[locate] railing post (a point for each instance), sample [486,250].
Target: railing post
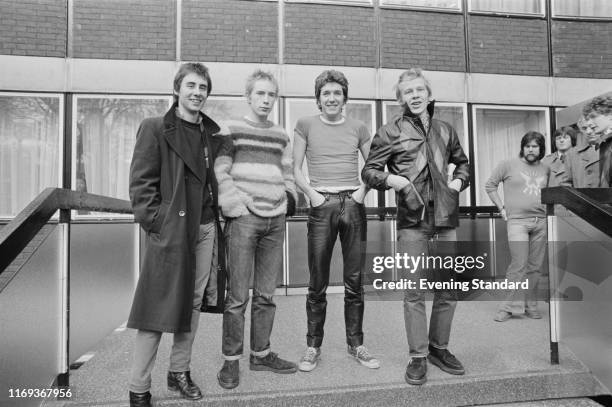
[63,378]
[552,285]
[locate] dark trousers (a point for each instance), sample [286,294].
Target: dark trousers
[339,214]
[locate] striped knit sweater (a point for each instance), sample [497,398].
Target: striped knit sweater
[254,169]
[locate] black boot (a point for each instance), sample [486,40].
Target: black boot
[181,381]
[140,399]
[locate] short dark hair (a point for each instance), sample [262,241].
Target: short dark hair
[600,105]
[567,130]
[191,67]
[331,76]
[538,138]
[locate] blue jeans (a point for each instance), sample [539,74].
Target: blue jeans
[339,214]
[527,243]
[254,244]
[422,241]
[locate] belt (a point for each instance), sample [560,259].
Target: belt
[341,194]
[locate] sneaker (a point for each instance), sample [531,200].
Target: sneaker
[502,316]
[310,359]
[416,371]
[533,314]
[361,354]
[272,363]
[229,375]
[445,361]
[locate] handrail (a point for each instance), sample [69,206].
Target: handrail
[392,211]
[16,235]
[591,204]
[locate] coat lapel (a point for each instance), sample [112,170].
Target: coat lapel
[176,140]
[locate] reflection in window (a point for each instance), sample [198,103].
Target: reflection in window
[358,110]
[445,4]
[30,134]
[106,130]
[225,108]
[508,6]
[332,1]
[453,115]
[582,8]
[498,137]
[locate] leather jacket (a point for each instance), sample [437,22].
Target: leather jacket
[406,149]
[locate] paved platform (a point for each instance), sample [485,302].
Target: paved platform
[505,363]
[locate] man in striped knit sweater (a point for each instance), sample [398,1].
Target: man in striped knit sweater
[256,190]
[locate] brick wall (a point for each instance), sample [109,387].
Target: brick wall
[230,31]
[318,34]
[513,46]
[432,41]
[119,29]
[582,49]
[33,27]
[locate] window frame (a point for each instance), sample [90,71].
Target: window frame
[99,216]
[61,130]
[354,3]
[475,163]
[571,17]
[387,4]
[542,14]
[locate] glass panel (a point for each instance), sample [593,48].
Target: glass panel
[30,320]
[358,110]
[447,4]
[332,1]
[103,259]
[508,6]
[580,269]
[105,133]
[225,108]
[582,8]
[450,114]
[498,137]
[30,134]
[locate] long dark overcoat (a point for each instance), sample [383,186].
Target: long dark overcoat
[166,191]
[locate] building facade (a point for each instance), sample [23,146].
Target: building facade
[78,76]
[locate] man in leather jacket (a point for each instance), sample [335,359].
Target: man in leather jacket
[417,150]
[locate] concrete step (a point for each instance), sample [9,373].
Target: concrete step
[505,363]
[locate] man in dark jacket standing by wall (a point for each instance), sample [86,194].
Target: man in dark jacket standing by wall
[598,113]
[174,196]
[417,150]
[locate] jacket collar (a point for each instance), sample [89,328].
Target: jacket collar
[170,120]
[178,144]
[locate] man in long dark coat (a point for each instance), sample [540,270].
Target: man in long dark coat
[174,196]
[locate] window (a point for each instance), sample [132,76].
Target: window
[429,4]
[582,8]
[452,113]
[31,129]
[498,133]
[221,108]
[104,132]
[536,7]
[346,2]
[357,109]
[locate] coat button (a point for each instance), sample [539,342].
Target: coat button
[181,213]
